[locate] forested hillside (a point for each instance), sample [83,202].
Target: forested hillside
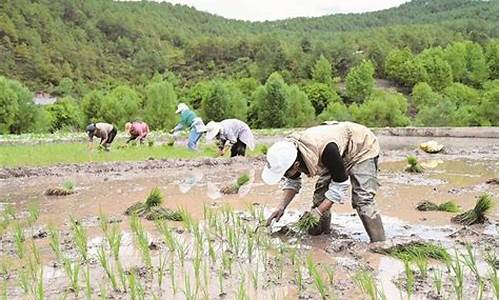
[116,61]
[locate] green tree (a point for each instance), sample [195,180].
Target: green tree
[159,105]
[491,55]
[92,106]
[65,114]
[360,82]
[238,103]
[270,103]
[26,112]
[437,115]
[322,71]
[402,67]
[488,108]
[455,54]
[300,109]
[335,111]
[217,103]
[119,106]
[477,69]
[423,95]
[320,95]
[383,108]
[9,106]
[439,73]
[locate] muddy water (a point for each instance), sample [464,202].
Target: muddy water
[460,180]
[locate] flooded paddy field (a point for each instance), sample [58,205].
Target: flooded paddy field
[83,246]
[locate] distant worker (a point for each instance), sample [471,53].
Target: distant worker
[137,130]
[231,133]
[105,131]
[341,154]
[191,121]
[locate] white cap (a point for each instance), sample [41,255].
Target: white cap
[280,157]
[181,107]
[213,128]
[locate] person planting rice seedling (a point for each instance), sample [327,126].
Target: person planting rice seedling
[105,131]
[342,154]
[191,121]
[137,130]
[231,133]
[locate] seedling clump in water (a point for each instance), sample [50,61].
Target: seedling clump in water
[305,223]
[151,209]
[413,165]
[415,250]
[477,214]
[235,187]
[448,206]
[68,188]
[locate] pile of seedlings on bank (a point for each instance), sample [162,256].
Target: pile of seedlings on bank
[151,209]
[448,206]
[414,250]
[477,214]
[68,188]
[413,165]
[235,187]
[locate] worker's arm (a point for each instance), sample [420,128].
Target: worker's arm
[339,186]
[290,188]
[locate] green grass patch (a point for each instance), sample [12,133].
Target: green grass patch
[413,165]
[416,250]
[64,153]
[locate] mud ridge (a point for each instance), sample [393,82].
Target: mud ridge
[126,166]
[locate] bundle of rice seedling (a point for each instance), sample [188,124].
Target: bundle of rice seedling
[235,187]
[151,209]
[415,249]
[413,165]
[477,214]
[305,223]
[151,143]
[58,192]
[448,206]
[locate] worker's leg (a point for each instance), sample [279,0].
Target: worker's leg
[318,197]
[364,187]
[193,139]
[238,149]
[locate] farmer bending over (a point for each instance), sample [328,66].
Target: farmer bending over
[231,133]
[105,131]
[189,120]
[137,130]
[341,154]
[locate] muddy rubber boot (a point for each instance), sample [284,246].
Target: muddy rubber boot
[373,227]
[323,226]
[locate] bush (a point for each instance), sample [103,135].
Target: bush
[119,106]
[270,103]
[384,108]
[92,106]
[9,106]
[216,105]
[422,95]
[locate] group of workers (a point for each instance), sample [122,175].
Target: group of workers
[344,155]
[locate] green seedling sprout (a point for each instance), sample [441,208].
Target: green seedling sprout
[437,280]
[305,223]
[10,212]
[329,272]
[55,241]
[161,270]
[318,281]
[242,294]
[72,272]
[187,288]
[68,185]
[220,277]
[410,251]
[19,239]
[298,272]
[367,284]
[422,265]
[88,287]
[103,260]
[477,214]
[494,282]
[23,280]
[470,261]
[79,238]
[38,288]
[172,276]
[167,234]
[410,279]
[458,283]
[413,165]
[33,213]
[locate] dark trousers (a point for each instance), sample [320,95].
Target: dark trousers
[111,136]
[238,149]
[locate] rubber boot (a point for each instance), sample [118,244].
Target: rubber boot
[373,227]
[323,226]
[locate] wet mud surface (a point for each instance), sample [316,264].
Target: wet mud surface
[460,173]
